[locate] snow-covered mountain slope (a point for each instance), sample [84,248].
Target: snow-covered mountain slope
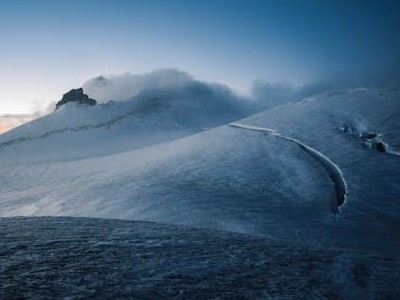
[115,259]
[149,118]
[223,178]
[283,185]
[371,212]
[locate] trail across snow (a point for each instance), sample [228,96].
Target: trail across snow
[67,129]
[333,170]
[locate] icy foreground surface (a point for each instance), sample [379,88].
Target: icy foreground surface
[100,258]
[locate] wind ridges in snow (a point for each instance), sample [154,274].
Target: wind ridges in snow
[335,173]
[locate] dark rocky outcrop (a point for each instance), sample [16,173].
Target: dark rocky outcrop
[371,139]
[75,95]
[381,147]
[369,135]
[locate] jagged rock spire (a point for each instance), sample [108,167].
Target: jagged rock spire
[75,95]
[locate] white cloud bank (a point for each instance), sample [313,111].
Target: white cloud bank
[126,86]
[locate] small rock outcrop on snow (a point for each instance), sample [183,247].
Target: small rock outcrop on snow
[75,95]
[372,140]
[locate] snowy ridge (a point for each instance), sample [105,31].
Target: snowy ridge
[152,117]
[392,152]
[333,170]
[73,129]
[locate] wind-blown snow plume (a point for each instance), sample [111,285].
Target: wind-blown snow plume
[126,86]
[174,94]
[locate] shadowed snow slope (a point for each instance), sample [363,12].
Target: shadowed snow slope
[371,213]
[224,178]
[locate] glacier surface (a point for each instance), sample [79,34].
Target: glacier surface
[294,179]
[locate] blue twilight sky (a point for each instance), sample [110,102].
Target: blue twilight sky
[48,47]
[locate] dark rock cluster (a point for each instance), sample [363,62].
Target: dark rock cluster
[372,140]
[75,95]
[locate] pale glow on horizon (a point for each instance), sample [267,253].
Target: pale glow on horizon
[50,47]
[10,121]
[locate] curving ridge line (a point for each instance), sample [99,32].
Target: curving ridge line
[333,170]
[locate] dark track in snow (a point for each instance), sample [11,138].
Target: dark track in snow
[47,257]
[68,129]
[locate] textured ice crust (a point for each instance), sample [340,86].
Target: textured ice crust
[100,258]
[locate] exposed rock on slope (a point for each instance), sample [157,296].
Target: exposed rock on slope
[75,95]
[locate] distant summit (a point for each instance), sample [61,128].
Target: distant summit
[75,95]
